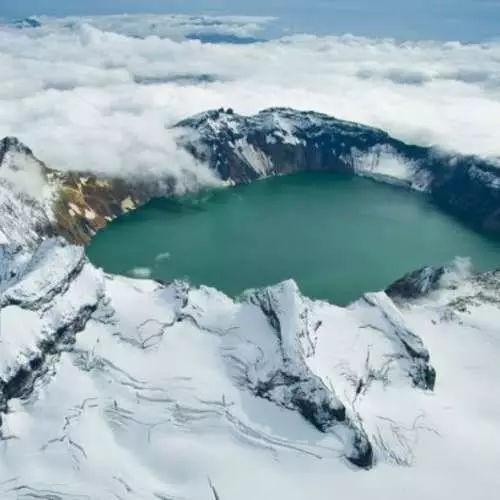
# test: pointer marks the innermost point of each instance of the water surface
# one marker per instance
(337, 237)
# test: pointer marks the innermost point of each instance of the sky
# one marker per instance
(465, 20)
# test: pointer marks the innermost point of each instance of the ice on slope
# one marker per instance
(25, 195)
(20, 218)
(42, 295)
(385, 164)
(254, 157)
(155, 389)
(19, 167)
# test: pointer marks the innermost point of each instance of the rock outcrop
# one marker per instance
(118, 388)
(267, 345)
(36, 199)
(280, 141)
(417, 283)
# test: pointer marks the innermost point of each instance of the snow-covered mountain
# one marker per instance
(279, 141)
(119, 388)
(25, 196)
(132, 389)
(37, 201)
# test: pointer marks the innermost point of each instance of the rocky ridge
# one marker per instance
(241, 149)
(280, 141)
(265, 343)
(283, 382)
(273, 377)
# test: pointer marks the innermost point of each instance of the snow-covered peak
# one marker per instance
(284, 124)
(9, 144)
(21, 169)
(264, 348)
(117, 387)
(279, 141)
(16, 156)
(26, 195)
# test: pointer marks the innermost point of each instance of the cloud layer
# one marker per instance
(98, 94)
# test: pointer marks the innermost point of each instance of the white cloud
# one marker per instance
(162, 257)
(174, 26)
(84, 98)
(141, 272)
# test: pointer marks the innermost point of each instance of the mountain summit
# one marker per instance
(118, 388)
(279, 141)
(37, 200)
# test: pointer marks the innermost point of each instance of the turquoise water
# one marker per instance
(337, 237)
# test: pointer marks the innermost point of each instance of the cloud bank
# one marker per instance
(173, 26)
(99, 94)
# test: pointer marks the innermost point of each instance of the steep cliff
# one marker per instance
(36, 199)
(132, 389)
(118, 388)
(281, 141)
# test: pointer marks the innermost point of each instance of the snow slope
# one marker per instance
(118, 388)
(131, 389)
(227, 149)
(25, 196)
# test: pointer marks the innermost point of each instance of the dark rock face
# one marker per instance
(427, 374)
(280, 141)
(417, 283)
(276, 141)
(307, 395)
(285, 140)
(294, 386)
(470, 190)
(12, 144)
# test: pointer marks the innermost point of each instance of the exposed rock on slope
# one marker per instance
(281, 141)
(269, 346)
(417, 283)
(113, 387)
(36, 200)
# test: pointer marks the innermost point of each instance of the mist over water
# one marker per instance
(337, 237)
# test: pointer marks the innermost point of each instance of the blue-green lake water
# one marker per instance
(337, 237)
